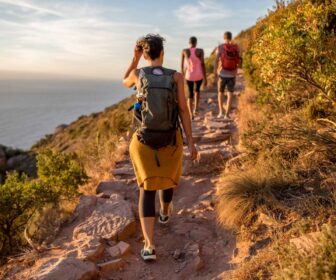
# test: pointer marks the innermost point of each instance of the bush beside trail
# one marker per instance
(287, 127)
(22, 199)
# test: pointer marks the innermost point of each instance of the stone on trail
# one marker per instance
(119, 250)
(111, 219)
(216, 125)
(67, 269)
(124, 171)
(90, 249)
(110, 266)
(218, 136)
(85, 207)
(107, 188)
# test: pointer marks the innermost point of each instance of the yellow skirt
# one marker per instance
(148, 174)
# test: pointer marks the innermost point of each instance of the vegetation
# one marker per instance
(95, 140)
(59, 176)
(288, 141)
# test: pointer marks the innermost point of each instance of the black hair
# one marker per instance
(193, 40)
(228, 35)
(152, 45)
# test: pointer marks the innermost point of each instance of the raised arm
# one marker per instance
(130, 76)
(184, 114)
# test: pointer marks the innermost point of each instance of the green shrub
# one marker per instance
(59, 176)
(295, 54)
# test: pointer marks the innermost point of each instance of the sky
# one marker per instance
(95, 38)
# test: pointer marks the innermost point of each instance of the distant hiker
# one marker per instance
(156, 149)
(194, 73)
(226, 65)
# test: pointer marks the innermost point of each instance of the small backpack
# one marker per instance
(158, 114)
(229, 56)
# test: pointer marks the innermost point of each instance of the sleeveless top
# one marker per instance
(194, 67)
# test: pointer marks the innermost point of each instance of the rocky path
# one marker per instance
(192, 246)
(103, 239)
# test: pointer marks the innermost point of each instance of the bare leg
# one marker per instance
(229, 103)
(197, 100)
(220, 103)
(166, 197)
(191, 106)
(147, 225)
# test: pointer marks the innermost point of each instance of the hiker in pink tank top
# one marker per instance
(194, 73)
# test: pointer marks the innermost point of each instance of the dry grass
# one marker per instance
(258, 268)
(288, 171)
(319, 263)
(289, 167)
(241, 195)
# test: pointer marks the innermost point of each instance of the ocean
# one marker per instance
(32, 108)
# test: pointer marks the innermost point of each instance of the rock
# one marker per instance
(60, 128)
(205, 195)
(110, 266)
(123, 171)
(201, 181)
(119, 250)
(67, 269)
(111, 219)
(90, 249)
(216, 137)
(307, 242)
(85, 207)
(210, 101)
(107, 188)
(213, 124)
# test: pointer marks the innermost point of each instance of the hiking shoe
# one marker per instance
(164, 219)
(226, 117)
(148, 254)
(220, 115)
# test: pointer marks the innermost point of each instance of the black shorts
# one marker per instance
(226, 82)
(191, 87)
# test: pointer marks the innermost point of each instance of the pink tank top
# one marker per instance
(194, 67)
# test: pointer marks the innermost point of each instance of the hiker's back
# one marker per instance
(159, 106)
(229, 57)
(194, 70)
(157, 91)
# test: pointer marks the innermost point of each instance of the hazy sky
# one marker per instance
(95, 38)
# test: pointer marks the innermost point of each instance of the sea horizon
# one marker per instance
(32, 107)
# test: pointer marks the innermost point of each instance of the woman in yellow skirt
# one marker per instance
(161, 168)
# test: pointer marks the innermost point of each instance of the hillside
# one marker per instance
(259, 204)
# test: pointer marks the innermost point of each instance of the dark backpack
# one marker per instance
(158, 114)
(229, 56)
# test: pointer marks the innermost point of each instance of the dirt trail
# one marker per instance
(192, 246)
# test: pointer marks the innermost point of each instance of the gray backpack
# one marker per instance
(158, 114)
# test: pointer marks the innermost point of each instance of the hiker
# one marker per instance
(156, 148)
(226, 66)
(194, 74)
